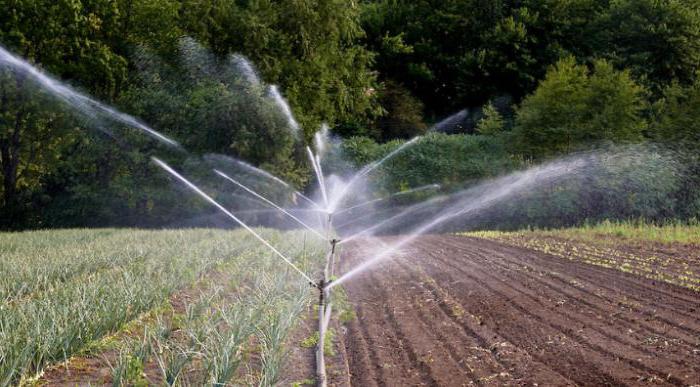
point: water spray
(319, 174)
(467, 203)
(323, 285)
(76, 100)
(369, 168)
(407, 192)
(250, 191)
(223, 209)
(276, 96)
(260, 172)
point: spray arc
(339, 200)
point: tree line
(534, 80)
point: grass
(639, 231)
(62, 291)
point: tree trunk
(9, 161)
(9, 181)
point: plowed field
(456, 311)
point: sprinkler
(331, 259)
(333, 243)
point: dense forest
(496, 84)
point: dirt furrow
(463, 351)
(621, 316)
(521, 366)
(599, 335)
(599, 278)
(385, 343)
(546, 331)
(607, 282)
(661, 290)
(461, 311)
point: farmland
(518, 309)
(668, 254)
(315, 192)
(129, 306)
(588, 306)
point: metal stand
(320, 356)
(324, 312)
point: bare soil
(457, 311)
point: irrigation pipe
(324, 305)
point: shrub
(573, 107)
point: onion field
(125, 307)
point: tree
(437, 158)
(658, 40)
(308, 47)
(32, 131)
(404, 113)
(678, 116)
(67, 43)
(676, 125)
(85, 43)
(155, 23)
(492, 121)
(574, 107)
(461, 53)
(213, 106)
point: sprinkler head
(333, 243)
(318, 285)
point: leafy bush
(573, 107)
(633, 183)
(437, 158)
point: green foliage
(574, 107)
(658, 40)
(461, 53)
(374, 68)
(449, 160)
(312, 341)
(676, 124)
(678, 116)
(305, 382)
(636, 230)
(464, 52)
(308, 47)
(492, 122)
(62, 290)
(85, 42)
(33, 135)
(211, 105)
(69, 38)
(404, 113)
(640, 230)
(130, 370)
(343, 306)
(638, 182)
